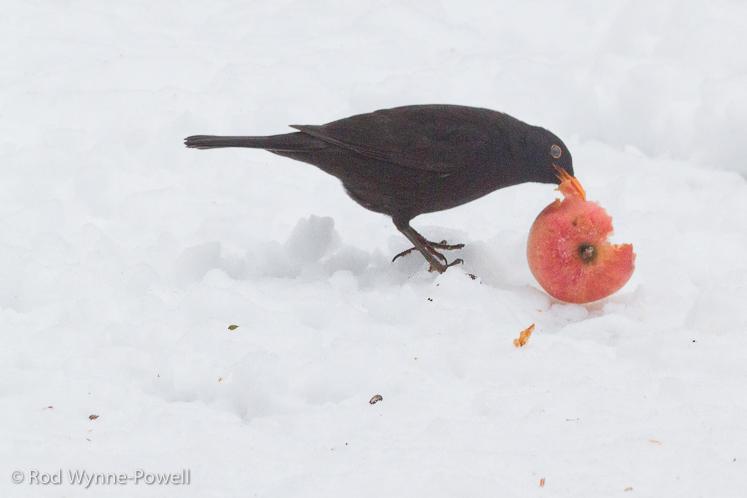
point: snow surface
(125, 257)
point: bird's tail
(288, 142)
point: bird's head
(546, 153)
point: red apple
(568, 251)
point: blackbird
(418, 159)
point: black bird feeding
(418, 159)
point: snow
(125, 257)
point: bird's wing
(439, 138)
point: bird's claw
(443, 268)
(433, 256)
(446, 246)
(404, 253)
(432, 246)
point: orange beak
(569, 186)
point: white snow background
(124, 256)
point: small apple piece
(568, 251)
(524, 336)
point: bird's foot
(431, 247)
(427, 248)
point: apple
(568, 251)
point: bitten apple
(568, 251)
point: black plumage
(418, 159)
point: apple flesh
(568, 251)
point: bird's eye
(555, 151)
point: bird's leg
(427, 248)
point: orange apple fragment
(524, 336)
(568, 251)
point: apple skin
(568, 251)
